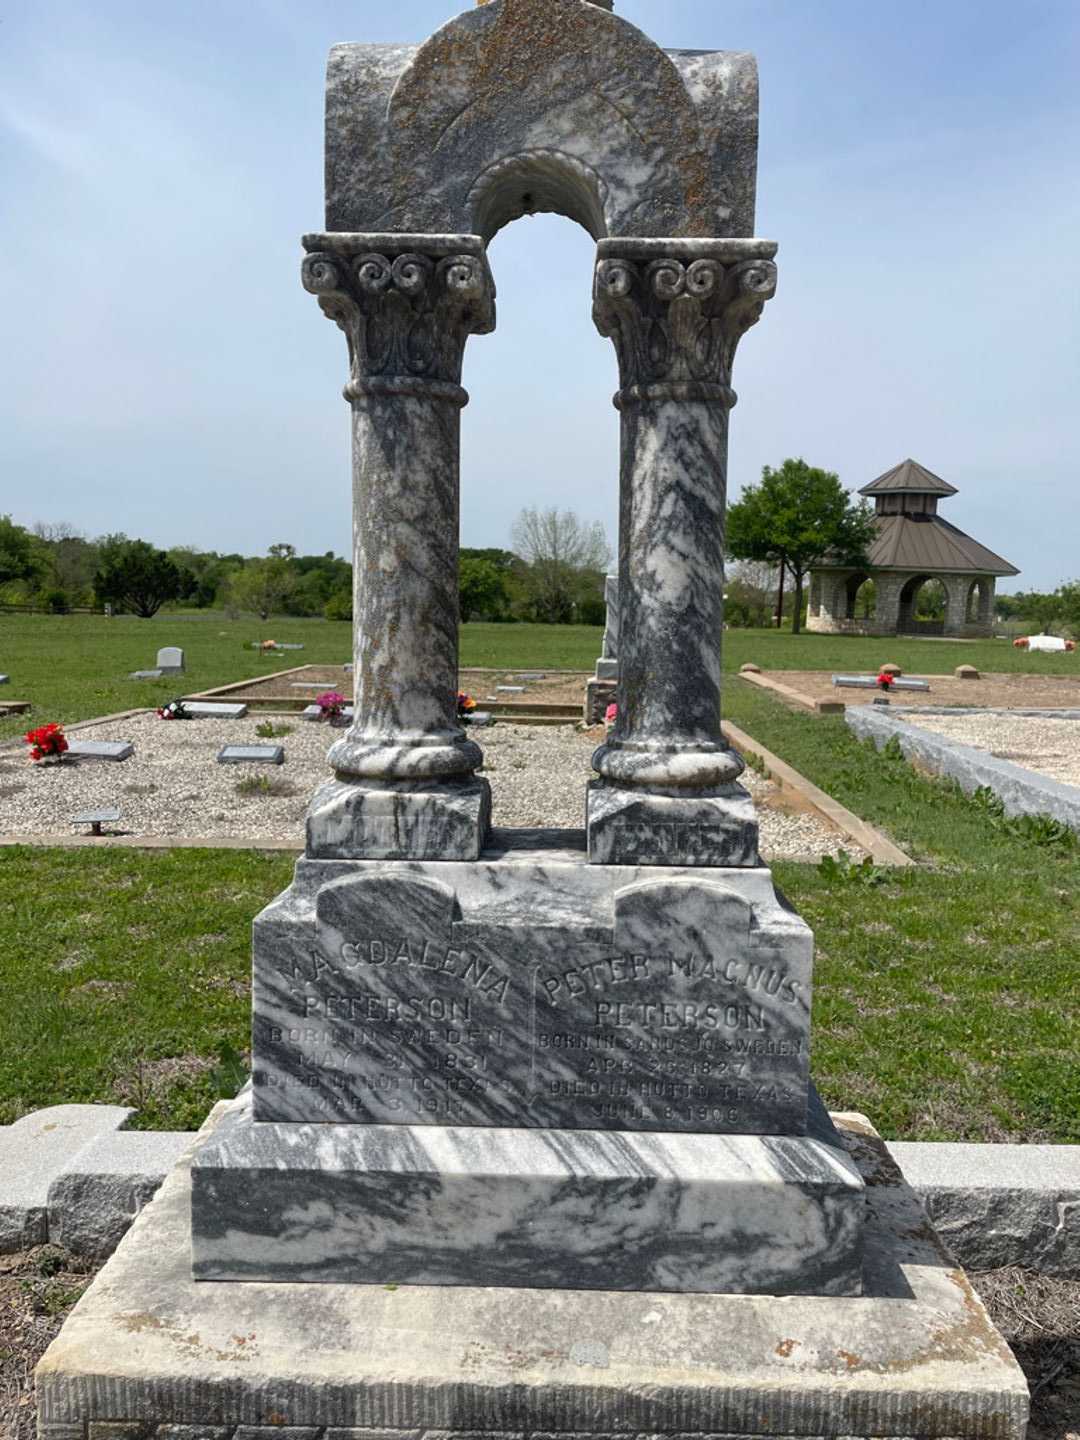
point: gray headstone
(251, 755)
(348, 669)
(170, 659)
(101, 749)
(611, 619)
(4, 679)
(215, 710)
(145, 675)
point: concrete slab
(33, 1152)
(998, 1205)
(94, 1199)
(915, 1355)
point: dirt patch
(152, 1078)
(37, 1289)
(1040, 1318)
(555, 687)
(999, 692)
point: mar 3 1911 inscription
(391, 1004)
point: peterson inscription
(689, 1020)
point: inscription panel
(391, 1011)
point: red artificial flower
(45, 741)
(465, 703)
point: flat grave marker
(214, 710)
(145, 675)
(101, 749)
(251, 755)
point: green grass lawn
(74, 667)
(946, 999)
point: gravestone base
(413, 820)
(599, 694)
(638, 827)
(147, 1347)
(580, 1209)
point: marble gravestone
(497, 1072)
(600, 689)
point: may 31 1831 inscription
(386, 1002)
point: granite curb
(1021, 791)
(75, 1176)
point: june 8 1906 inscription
(390, 1011)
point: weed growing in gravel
(264, 785)
(267, 730)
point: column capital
(406, 305)
(676, 310)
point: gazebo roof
(928, 544)
(909, 477)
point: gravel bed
(173, 784)
(1048, 746)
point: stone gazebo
(914, 545)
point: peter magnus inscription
(378, 1024)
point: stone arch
(518, 106)
(909, 596)
(853, 587)
(978, 601)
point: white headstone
(170, 659)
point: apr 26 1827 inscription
(392, 1009)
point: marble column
(675, 310)
(405, 785)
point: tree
(1044, 611)
(799, 517)
(262, 586)
(18, 554)
(132, 575)
(481, 588)
(749, 594)
(566, 559)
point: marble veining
(532, 1208)
(518, 992)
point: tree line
(554, 575)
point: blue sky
(163, 372)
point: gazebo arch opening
(980, 598)
(923, 603)
(860, 597)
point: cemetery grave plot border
(1021, 791)
(812, 691)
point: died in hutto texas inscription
(692, 1018)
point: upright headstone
(170, 660)
(546, 1059)
(600, 689)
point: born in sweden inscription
(390, 1008)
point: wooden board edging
(883, 851)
